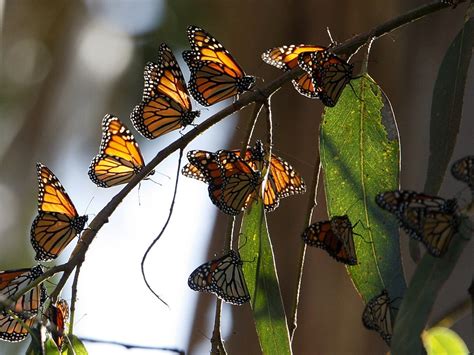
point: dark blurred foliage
(62, 103)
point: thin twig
(217, 345)
(456, 313)
(142, 264)
(74, 299)
(132, 346)
(312, 203)
(251, 127)
(349, 46)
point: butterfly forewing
(377, 316)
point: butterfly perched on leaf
(286, 58)
(215, 75)
(166, 105)
(58, 315)
(282, 180)
(119, 158)
(27, 305)
(57, 222)
(378, 316)
(430, 219)
(329, 74)
(222, 277)
(336, 236)
(463, 170)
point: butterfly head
(245, 83)
(189, 116)
(79, 223)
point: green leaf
(443, 341)
(262, 281)
(77, 344)
(420, 296)
(360, 155)
(446, 109)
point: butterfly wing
(26, 307)
(286, 58)
(222, 277)
(215, 75)
(463, 170)
(58, 315)
(119, 159)
(57, 222)
(377, 316)
(166, 105)
(329, 74)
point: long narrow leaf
(262, 281)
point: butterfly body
(335, 236)
(222, 277)
(215, 75)
(57, 222)
(166, 105)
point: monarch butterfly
(463, 170)
(334, 236)
(378, 316)
(58, 315)
(166, 105)
(286, 58)
(57, 222)
(215, 75)
(282, 181)
(329, 74)
(222, 277)
(26, 307)
(119, 159)
(429, 219)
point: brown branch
(258, 95)
(132, 346)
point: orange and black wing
(222, 277)
(463, 170)
(15, 329)
(119, 158)
(286, 58)
(166, 105)
(215, 75)
(57, 222)
(377, 316)
(329, 74)
(334, 236)
(58, 315)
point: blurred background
(65, 64)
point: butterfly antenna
(333, 42)
(139, 188)
(155, 182)
(89, 204)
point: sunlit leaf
(262, 280)
(360, 155)
(443, 341)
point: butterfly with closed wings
(378, 316)
(222, 277)
(166, 105)
(215, 75)
(57, 222)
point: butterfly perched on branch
(58, 315)
(378, 316)
(119, 158)
(430, 219)
(215, 168)
(336, 236)
(57, 222)
(222, 277)
(215, 74)
(25, 308)
(166, 105)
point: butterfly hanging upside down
(336, 236)
(57, 222)
(166, 105)
(119, 158)
(378, 316)
(215, 75)
(26, 307)
(234, 181)
(429, 219)
(223, 277)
